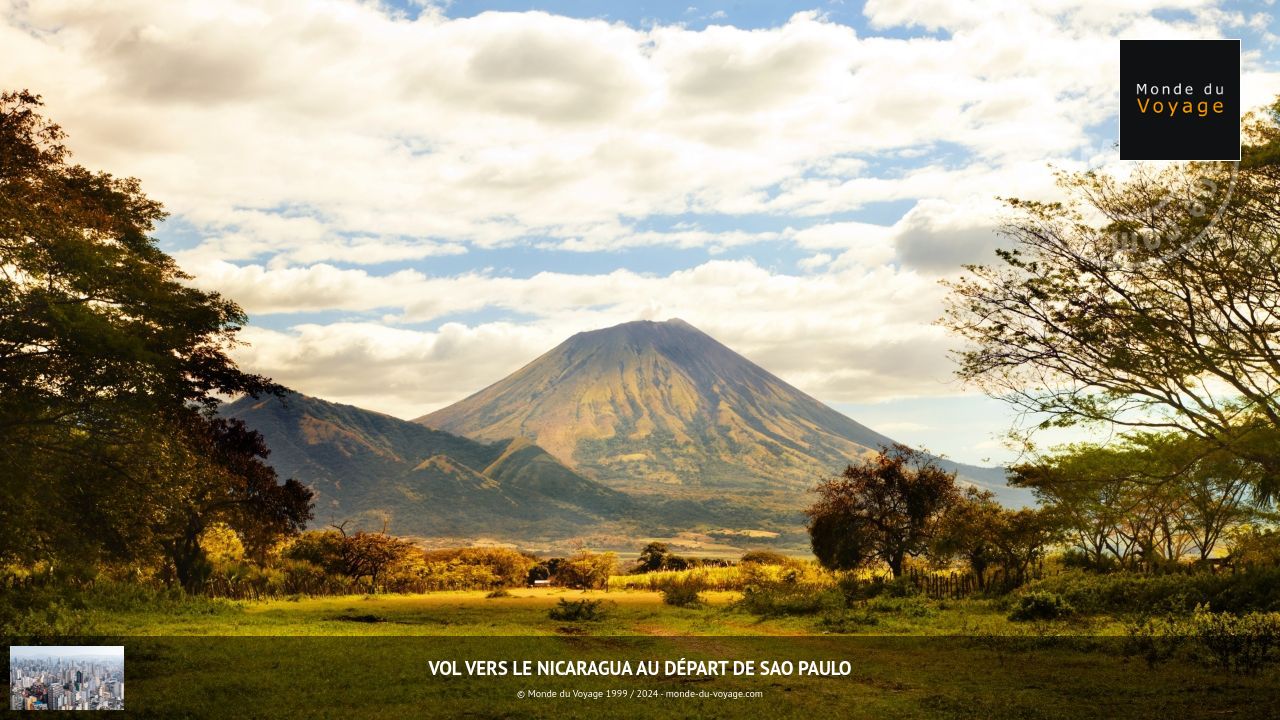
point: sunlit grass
(525, 612)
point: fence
(957, 585)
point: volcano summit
(662, 408)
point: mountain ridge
(370, 467)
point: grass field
(366, 656)
(627, 612)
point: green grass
(365, 656)
(629, 612)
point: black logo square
(1179, 99)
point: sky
(413, 199)
(66, 651)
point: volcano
(662, 408)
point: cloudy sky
(413, 199)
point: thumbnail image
(66, 677)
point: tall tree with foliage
(884, 510)
(111, 366)
(1152, 303)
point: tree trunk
(186, 554)
(979, 571)
(895, 564)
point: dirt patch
(364, 618)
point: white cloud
(940, 236)
(506, 126)
(301, 139)
(856, 335)
(815, 262)
(936, 236)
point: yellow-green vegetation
(717, 578)
(524, 611)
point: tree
(653, 557)
(219, 469)
(1145, 499)
(883, 510)
(1091, 492)
(587, 570)
(322, 548)
(221, 544)
(1213, 488)
(1020, 537)
(1162, 315)
(968, 531)
(111, 368)
(986, 535)
(358, 555)
(370, 554)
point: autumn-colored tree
(886, 510)
(587, 570)
(370, 554)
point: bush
(1251, 546)
(795, 589)
(899, 587)
(914, 606)
(43, 620)
(1038, 605)
(577, 611)
(499, 593)
(773, 600)
(506, 567)
(301, 577)
(844, 621)
(854, 588)
(1256, 589)
(1238, 643)
(1155, 639)
(587, 570)
(766, 557)
(46, 608)
(683, 591)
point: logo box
(1180, 100)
